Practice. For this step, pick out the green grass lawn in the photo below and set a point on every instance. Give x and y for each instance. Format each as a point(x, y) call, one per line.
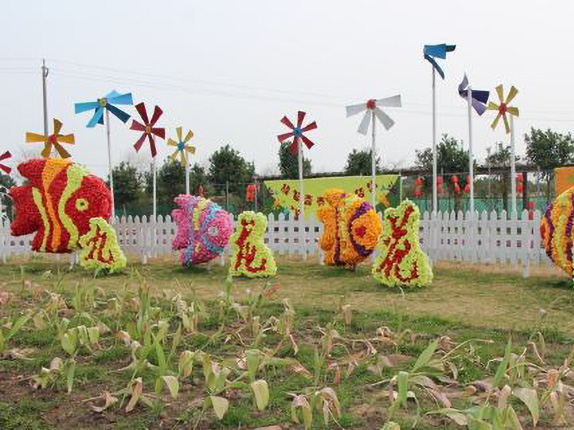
point(387, 331)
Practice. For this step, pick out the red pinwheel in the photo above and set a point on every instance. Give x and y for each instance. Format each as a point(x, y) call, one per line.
point(148, 128)
point(297, 132)
point(3, 157)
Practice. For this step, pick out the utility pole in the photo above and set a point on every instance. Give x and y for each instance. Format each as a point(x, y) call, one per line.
point(45, 72)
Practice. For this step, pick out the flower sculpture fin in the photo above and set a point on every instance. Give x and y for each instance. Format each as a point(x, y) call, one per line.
point(351, 228)
point(402, 261)
point(100, 248)
point(251, 257)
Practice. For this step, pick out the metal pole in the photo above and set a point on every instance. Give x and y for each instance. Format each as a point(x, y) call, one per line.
point(186, 176)
point(489, 179)
point(255, 183)
point(154, 190)
point(512, 168)
point(373, 162)
point(434, 155)
point(302, 197)
point(45, 72)
point(470, 154)
point(108, 134)
point(227, 196)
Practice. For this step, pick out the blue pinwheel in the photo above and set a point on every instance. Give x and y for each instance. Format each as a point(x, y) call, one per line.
point(107, 102)
point(479, 97)
point(437, 51)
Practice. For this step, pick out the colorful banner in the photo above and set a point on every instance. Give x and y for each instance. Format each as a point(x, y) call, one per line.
point(287, 195)
point(563, 179)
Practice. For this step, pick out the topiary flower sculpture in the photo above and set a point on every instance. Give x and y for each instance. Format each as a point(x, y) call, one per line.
point(251, 257)
point(402, 261)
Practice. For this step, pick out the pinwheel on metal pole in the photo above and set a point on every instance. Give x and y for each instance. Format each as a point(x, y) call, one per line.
point(476, 99)
point(181, 150)
point(102, 106)
point(504, 110)
point(299, 139)
point(53, 140)
point(149, 131)
point(431, 53)
point(372, 109)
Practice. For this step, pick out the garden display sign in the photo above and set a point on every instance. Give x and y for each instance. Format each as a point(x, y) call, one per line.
point(286, 192)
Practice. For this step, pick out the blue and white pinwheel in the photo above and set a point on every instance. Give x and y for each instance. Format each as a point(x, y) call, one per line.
point(437, 51)
point(479, 97)
point(107, 102)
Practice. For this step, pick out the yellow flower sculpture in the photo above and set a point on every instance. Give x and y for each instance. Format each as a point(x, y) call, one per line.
point(251, 257)
point(100, 248)
point(351, 228)
point(402, 261)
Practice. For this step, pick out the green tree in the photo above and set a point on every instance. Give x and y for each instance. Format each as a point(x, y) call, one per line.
point(547, 150)
point(6, 182)
point(170, 182)
point(198, 178)
point(289, 162)
point(127, 184)
point(500, 158)
point(451, 158)
point(360, 163)
point(227, 165)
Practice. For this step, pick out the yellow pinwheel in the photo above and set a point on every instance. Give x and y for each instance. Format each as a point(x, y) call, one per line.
point(53, 140)
point(181, 146)
point(503, 107)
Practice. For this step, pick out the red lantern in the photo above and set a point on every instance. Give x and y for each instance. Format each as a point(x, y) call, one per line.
point(419, 181)
point(439, 180)
point(468, 179)
point(250, 192)
point(531, 205)
point(418, 192)
point(456, 188)
point(439, 189)
point(454, 179)
point(467, 188)
point(519, 187)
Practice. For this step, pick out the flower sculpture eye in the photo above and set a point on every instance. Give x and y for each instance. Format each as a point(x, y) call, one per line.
point(82, 204)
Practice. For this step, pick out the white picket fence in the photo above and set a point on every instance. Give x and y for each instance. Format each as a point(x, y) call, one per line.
point(493, 238)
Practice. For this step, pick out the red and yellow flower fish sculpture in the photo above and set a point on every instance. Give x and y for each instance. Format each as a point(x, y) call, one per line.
point(57, 202)
point(251, 257)
point(402, 261)
point(351, 228)
point(556, 230)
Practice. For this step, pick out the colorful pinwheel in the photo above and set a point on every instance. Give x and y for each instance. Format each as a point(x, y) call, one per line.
point(297, 132)
point(3, 157)
point(53, 140)
point(437, 51)
point(479, 97)
point(503, 107)
point(374, 107)
point(148, 128)
point(106, 103)
point(181, 147)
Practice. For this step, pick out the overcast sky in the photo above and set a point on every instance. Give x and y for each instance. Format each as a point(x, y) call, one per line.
point(229, 70)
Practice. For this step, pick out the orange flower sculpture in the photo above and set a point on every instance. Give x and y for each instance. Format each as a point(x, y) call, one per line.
point(351, 228)
point(556, 230)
